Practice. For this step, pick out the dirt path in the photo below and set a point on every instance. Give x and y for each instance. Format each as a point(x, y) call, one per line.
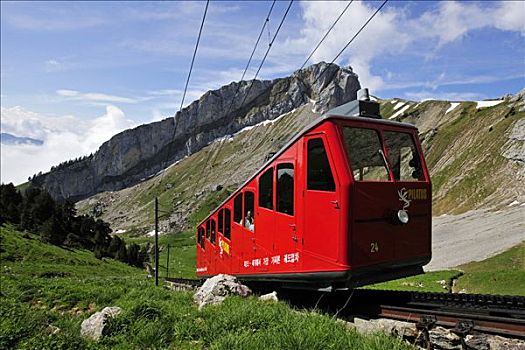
point(475, 235)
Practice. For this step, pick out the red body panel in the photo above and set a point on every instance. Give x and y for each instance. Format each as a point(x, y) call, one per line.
point(348, 229)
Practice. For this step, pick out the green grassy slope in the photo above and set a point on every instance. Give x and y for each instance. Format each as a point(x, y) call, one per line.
point(45, 286)
point(500, 274)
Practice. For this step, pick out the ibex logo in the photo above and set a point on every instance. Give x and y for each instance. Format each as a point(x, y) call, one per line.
point(403, 197)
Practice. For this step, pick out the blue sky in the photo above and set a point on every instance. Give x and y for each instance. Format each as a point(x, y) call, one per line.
point(75, 73)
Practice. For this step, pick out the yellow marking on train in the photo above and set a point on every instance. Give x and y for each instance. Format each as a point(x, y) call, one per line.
point(225, 247)
point(417, 194)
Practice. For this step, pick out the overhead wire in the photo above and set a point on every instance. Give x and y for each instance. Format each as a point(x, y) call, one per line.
point(176, 119)
point(267, 51)
point(326, 34)
point(194, 54)
point(265, 24)
point(349, 42)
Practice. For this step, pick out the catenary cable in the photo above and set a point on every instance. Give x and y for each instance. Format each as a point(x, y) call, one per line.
point(265, 24)
point(267, 51)
point(194, 54)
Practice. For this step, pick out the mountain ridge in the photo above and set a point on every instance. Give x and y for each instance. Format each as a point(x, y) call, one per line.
point(136, 154)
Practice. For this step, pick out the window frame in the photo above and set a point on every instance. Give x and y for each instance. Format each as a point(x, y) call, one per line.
point(200, 237)
point(272, 192)
point(213, 236)
point(379, 132)
point(292, 163)
point(417, 149)
point(328, 159)
point(208, 229)
point(220, 220)
point(235, 219)
point(227, 228)
point(245, 211)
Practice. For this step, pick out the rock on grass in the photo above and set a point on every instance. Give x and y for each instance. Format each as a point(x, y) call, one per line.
point(215, 290)
point(94, 325)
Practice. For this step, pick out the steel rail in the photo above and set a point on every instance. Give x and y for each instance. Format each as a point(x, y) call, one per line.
point(490, 314)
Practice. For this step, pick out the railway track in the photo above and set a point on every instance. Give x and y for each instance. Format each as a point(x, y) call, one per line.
point(463, 313)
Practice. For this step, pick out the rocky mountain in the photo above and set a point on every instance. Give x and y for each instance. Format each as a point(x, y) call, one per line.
point(475, 152)
point(137, 154)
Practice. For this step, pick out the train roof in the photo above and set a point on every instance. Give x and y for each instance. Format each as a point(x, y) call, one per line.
point(356, 110)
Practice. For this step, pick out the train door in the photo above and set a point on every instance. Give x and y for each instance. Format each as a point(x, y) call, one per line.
point(214, 261)
point(321, 200)
point(248, 228)
point(208, 248)
point(265, 218)
point(239, 251)
point(286, 235)
point(371, 237)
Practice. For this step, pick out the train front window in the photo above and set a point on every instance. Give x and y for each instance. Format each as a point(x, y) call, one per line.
point(403, 156)
point(363, 147)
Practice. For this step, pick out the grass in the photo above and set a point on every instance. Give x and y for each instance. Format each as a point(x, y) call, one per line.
point(501, 274)
point(438, 281)
point(45, 286)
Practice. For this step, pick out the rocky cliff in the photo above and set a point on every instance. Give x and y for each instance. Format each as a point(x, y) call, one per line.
point(134, 155)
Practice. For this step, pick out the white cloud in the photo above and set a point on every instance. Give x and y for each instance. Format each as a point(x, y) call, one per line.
point(94, 97)
point(394, 32)
point(65, 137)
point(53, 66)
point(510, 16)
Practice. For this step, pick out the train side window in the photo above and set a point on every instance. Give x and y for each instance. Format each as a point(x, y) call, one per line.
point(249, 205)
point(319, 174)
point(237, 209)
point(208, 230)
point(227, 223)
point(365, 153)
point(403, 156)
point(266, 189)
point(221, 221)
point(200, 237)
point(285, 188)
point(213, 234)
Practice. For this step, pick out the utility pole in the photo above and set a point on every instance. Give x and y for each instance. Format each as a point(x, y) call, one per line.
point(168, 264)
point(156, 241)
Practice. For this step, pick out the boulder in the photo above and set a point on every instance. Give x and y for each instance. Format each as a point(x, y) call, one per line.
point(392, 327)
point(217, 288)
point(269, 297)
point(94, 325)
point(444, 339)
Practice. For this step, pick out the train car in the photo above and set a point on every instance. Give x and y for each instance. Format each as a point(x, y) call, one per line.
point(347, 202)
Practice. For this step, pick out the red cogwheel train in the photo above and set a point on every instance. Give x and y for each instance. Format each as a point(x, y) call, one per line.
point(347, 202)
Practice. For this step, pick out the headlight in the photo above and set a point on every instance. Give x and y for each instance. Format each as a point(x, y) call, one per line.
point(402, 215)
